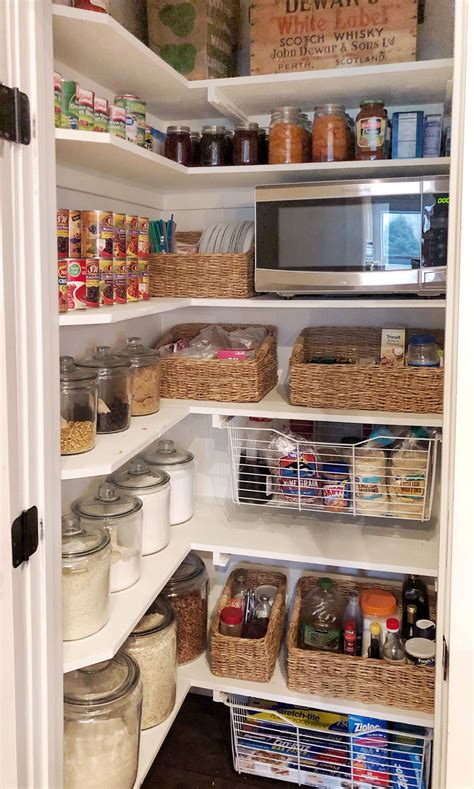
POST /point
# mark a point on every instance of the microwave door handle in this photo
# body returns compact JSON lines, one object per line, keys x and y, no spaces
{"x":433,"y":275}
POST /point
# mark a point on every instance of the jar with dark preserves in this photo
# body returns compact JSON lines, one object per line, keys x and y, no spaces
{"x":229,"y":146}
{"x":212,"y":151}
{"x":288,"y":137}
{"x":307,"y":126}
{"x":331,"y":134}
{"x":371,"y":130}
{"x":245,"y":147}
{"x":262,"y":146}
{"x":195,"y":145}
{"x":178,"y":145}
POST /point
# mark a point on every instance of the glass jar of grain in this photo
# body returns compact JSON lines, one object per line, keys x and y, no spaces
{"x":78,"y":404}
{"x":187,"y":591}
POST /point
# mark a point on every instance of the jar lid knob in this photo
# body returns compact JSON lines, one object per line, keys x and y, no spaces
{"x":66,"y":364}
{"x":134,"y":341}
{"x":70,"y":524}
{"x":107,"y":492}
{"x":102,"y":350}
{"x":137,"y":466}
{"x":166,"y":446}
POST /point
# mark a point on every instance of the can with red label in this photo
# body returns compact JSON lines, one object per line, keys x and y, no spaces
{"x":120,"y":237}
{"x":62,"y":285}
{"x":132,"y":289}
{"x":143,"y":280}
{"x":97,"y":234}
{"x":62,"y":232}
{"x":93,"y":282}
{"x":106,"y":283}
{"x":74,"y":234}
{"x":117,"y":117}
{"x":76,"y":283}
{"x":120,"y":271}
{"x":131,"y":223}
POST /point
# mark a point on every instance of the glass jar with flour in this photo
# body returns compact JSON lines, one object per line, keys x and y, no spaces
{"x":180,"y":465}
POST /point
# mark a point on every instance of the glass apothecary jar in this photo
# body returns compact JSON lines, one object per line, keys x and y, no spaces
{"x":178,"y":145}
{"x":187,"y":591}
{"x":288,"y":137}
{"x":153,"y":645}
{"x":121,"y":514}
{"x":213,"y":147}
{"x":102,"y":713}
{"x":180,"y":466}
{"x":423,"y":351}
{"x":115,"y":395}
{"x":245,"y":144}
{"x":78,"y":402}
{"x":331,"y":134}
{"x":152,"y":486}
{"x":145,"y":376}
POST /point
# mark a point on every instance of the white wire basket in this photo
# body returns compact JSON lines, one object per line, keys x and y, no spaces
{"x":332,"y":471}
{"x":327,"y":750}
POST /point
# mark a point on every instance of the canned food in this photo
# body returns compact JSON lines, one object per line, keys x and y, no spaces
{"x":143,"y":245}
{"x":143,"y":280}
{"x":69,"y":107}
{"x":120,"y":272}
{"x":62,"y":285}
{"x":101,"y":114}
{"x":421,"y":652}
{"x":131,"y":225}
{"x":143,"y":224}
{"x":97,"y":234}
{"x":62,"y":232}
{"x":93,"y":283}
{"x":76,"y":283}
{"x":85,"y":109}
{"x":148,"y":138}
{"x":57,"y":82}
{"x":132,"y":288}
{"x":117,"y":121}
{"x":75,"y":230}
{"x":106,"y":283}
{"x":120,"y":236}
{"x":135,"y":117}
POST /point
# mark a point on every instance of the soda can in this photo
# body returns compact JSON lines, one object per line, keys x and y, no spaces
{"x":85,"y":109}
{"x":101,"y":114}
{"x":131,"y":225}
{"x":135,"y":117}
{"x":76,"y":283}
{"x":106,"y":283}
{"x":117,"y":121}
{"x":132,"y":289}
{"x":143,"y":280}
{"x":93,"y":283}
{"x":120,"y":271}
{"x":62,"y":285}
{"x":97,"y":234}
{"x":120,"y":236}
{"x":74,"y":234}
{"x":57,"y":82}
{"x":62,"y":232}
{"x":69,"y":107}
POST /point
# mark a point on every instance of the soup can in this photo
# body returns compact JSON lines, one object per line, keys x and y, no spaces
{"x":75,"y":230}
{"x":135,"y":117}
{"x":132,"y":288}
{"x":120,"y":272}
{"x":93,"y":283}
{"x":131,"y":226}
{"x":117,"y":121}
{"x":120,"y":236}
{"x":106,"y":272}
{"x":143,"y":280}
{"x":97,"y":234}
{"x":85,"y":109}
{"x":101,"y":114}
{"x":69,"y":107}
{"x":76,"y":283}
{"x":62,"y":232}
{"x":62,"y":285}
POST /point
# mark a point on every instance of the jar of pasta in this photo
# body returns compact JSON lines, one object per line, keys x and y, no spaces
{"x":331,"y":134}
{"x":371,"y":130}
{"x":288,"y":137}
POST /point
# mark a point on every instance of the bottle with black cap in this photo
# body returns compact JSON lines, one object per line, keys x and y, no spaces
{"x":414,"y":592}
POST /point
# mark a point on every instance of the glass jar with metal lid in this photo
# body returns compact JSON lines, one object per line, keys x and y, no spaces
{"x":152,"y":486}
{"x":121,"y":514}
{"x":153,"y":645}
{"x":288,"y":138}
{"x":145,"y":376}
{"x":245,"y":144}
{"x":115,"y":396}
{"x":195,"y":146}
{"x":102,"y":712}
{"x":187,"y":591}
{"x":212,"y":151}
{"x":78,"y":403}
{"x":85,"y":578}
{"x":178,"y":145}
{"x":179,"y":464}
{"x":331,"y":134}
{"x":371,"y":130}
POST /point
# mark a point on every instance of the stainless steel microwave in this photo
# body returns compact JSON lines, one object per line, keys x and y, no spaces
{"x":380,"y":236}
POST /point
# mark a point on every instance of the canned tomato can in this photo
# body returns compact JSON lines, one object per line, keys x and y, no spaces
{"x":69,"y":106}
{"x":132,"y":289}
{"x":135,"y":117}
{"x":75,"y":248}
{"x":421,"y":652}
{"x":120,"y":271}
{"x":120,"y":236}
{"x":62,"y":285}
{"x":131,"y":225}
{"x":143,"y":245}
{"x":62,"y":233}
{"x":97,"y":234}
{"x":117,"y":121}
{"x":57,"y":82}
{"x":143,"y":280}
{"x":85,"y":109}
{"x":93,"y":283}
{"x":106,"y":283}
{"x":76,"y":283}
{"x":101,"y":114}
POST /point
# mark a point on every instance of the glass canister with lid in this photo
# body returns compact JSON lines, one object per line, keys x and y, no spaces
{"x":78,"y":399}
{"x":423,"y":351}
{"x":85,"y":578}
{"x":145,"y":376}
{"x":178,"y":146}
{"x":331,"y":134}
{"x":121,"y":514}
{"x":371,"y":130}
{"x":114,"y":407}
{"x":152,"y":486}
{"x":153,"y":645}
{"x":288,"y":136}
{"x":212,"y":150}
{"x":187,"y":591}
{"x":102,"y":713}
{"x":180,"y":465}
{"x":245,"y":144}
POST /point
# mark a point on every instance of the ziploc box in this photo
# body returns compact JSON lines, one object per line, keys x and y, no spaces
{"x":369,"y":750}
{"x":406,"y":756}
{"x":407,"y":135}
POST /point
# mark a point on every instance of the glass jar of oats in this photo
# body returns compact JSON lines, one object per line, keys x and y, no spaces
{"x":145,"y":376}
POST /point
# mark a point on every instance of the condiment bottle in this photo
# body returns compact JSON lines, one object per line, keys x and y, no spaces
{"x":375,"y":636}
{"x":371,"y":130}
{"x":239,"y":587}
{"x":377,"y":606}
{"x":414,"y":591}
{"x":409,"y":623}
{"x":231,"y":622}
{"x":353,"y":613}
{"x":393,"y":649}
{"x":349,"y":646}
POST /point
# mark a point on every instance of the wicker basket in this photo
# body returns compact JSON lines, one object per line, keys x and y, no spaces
{"x":354,"y":386}
{"x":342,"y":676}
{"x":253,"y":659}
{"x":244,"y":381}
{"x":202,"y":276}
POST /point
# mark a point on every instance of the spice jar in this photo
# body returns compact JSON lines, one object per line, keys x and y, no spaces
{"x":152,"y":487}
{"x":178,"y":145}
{"x":153,"y":645}
{"x":102,"y":711}
{"x":121,"y":515}
{"x":371,"y":130}
{"x":78,"y":402}
{"x":212,"y":150}
{"x":85,"y":578}
{"x":179,"y":464}
{"x":145,"y":376}
{"x":195,"y":146}
{"x":187,"y":591}
{"x":331,"y":134}
{"x":288,"y":138}
{"x":114,"y":407}
{"x":245,"y":145}
{"x":231,"y":622}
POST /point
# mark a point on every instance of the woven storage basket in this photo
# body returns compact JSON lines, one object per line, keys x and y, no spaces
{"x":202,"y":276}
{"x":249,"y":658}
{"x":354,"y":386}
{"x":244,"y":381}
{"x":343,"y":676}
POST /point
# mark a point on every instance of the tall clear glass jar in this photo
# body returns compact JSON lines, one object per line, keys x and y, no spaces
{"x":102,"y":713}
{"x":121,"y":515}
{"x":153,"y":645}
{"x":78,"y":403}
{"x":180,"y":465}
{"x":213,"y":147}
{"x":331,"y":134}
{"x":187,"y":591}
{"x":115,"y":395}
{"x":178,"y":146}
{"x":86,"y":556}
{"x":145,"y":376}
{"x":288,"y":137}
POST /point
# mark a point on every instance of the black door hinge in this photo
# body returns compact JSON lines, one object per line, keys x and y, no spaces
{"x":15,"y":124}
{"x":445,"y":659}
{"x":24,"y":536}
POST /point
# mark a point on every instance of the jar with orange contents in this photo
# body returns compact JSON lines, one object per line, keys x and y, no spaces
{"x":331,"y":134}
{"x":371,"y":130}
{"x":288,"y":137}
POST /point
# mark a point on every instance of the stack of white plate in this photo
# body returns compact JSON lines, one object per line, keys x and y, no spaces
{"x":227,"y":238}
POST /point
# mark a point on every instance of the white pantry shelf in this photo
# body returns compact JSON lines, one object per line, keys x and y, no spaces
{"x":121,"y":312}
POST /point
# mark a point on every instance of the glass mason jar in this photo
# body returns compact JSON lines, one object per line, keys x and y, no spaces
{"x":145,"y":376}
{"x":115,"y":396}
{"x":288,"y":137}
{"x":195,"y":146}
{"x":102,"y":713}
{"x":331,"y":134}
{"x":262,"y":146}
{"x":212,"y":151}
{"x":153,"y":645}
{"x":152,"y":487}
{"x":308,"y":127}
{"x":85,"y":578}
{"x":245,"y":144}
{"x":78,"y":402}
{"x":179,"y":464}
{"x":178,"y":145}
{"x":121,"y":515}
{"x":187,"y":591}
{"x":371,"y":130}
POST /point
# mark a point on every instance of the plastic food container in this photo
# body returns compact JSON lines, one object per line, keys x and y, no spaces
{"x":145,"y":376}
{"x":102,"y":711}
{"x":152,"y":487}
{"x":121,"y":515}
{"x":85,"y":578}
{"x":187,"y":591}
{"x":179,"y":464}
{"x":114,"y":408}
{"x":377,"y":606}
{"x":153,"y":645}
{"x":423,"y":351}
{"x":421,"y":652}
{"x":78,"y":398}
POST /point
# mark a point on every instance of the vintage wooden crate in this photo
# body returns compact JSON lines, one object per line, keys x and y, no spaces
{"x":299,"y":35}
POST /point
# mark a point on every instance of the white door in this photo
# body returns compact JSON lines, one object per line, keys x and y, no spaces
{"x":30,"y":667}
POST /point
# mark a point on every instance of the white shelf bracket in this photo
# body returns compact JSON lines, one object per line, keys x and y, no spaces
{"x":219,"y":696}
{"x":220,"y":421}
{"x":220,"y":559}
{"x":223,"y":105}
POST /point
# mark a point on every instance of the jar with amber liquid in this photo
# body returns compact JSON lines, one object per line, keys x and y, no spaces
{"x":371,"y":130}
{"x":288,"y":137}
{"x":331,"y":134}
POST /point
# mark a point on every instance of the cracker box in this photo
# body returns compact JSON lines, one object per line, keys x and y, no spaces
{"x":392,"y":348}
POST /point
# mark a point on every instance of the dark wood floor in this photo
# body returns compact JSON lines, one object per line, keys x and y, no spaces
{"x":197,"y":752}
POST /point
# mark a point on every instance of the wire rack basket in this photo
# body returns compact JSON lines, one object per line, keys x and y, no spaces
{"x":327,"y":750}
{"x":330,"y":471}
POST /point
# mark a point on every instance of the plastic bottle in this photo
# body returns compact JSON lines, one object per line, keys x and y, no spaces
{"x":321,"y":618}
{"x":375,"y":637}
{"x":354,"y":612}
{"x":349,"y":646}
{"x":393,"y":649}
{"x":239,"y":587}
